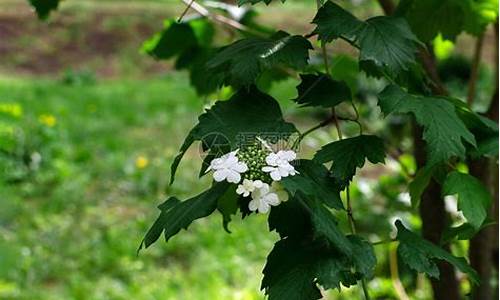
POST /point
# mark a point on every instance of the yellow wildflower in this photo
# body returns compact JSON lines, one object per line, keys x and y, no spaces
{"x":12,"y":109}
{"x":141,"y":162}
{"x":47,"y":120}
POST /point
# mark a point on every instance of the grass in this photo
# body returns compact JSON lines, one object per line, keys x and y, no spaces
{"x":70,"y":226}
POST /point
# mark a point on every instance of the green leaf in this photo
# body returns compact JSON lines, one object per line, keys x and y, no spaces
{"x":429,"y":18}
{"x":300,"y":214}
{"x":290,"y":219}
{"x":243,"y":61}
{"x":351,"y":153}
{"x":227,"y":205}
{"x":249,"y":112}
{"x":325,"y":226}
{"x":321,"y":90}
{"x":173,"y":40}
{"x":386,"y":42}
{"x":176,"y":215}
{"x":158,"y":226}
{"x":363,"y":256}
{"x":334,"y":22}
{"x":485,"y":131}
{"x":290,"y":272}
{"x":420,"y":255}
{"x":419,"y":184}
{"x":473,"y":198}
{"x":44,"y":7}
{"x":294,"y":267}
{"x":444,"y":132}
{"x":314,"y":180}
{"x":463,"y":232}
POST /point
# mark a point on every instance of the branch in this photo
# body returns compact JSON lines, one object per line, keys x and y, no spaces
{"x":426,"y":58}
{"x":303,"y":135}
{"x":475,"y":69}
{"x":396,"y":282}
{"x":218,"y":18}
{"x":387,"y":6}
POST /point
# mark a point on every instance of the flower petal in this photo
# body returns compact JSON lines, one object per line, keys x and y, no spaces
{"x":240,"y":167}
{"x":263,"y":207}
{"x":220,"y":175}
{"x":253,"y":205}
{"x":233,"y":176}
{"x":272,"y":199}
{"x":275,"y":175}
{"x":268,"y":169}
{"x":240,"y":189}
{"x":258,"y":184}
{"x":272,"y":159}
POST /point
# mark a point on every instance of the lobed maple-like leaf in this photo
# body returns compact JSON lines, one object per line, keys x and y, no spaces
{"x":384,"y":41}
{"x":243,"y":61}
{"x":444,"y":132}
{"x":420,"y":255}
{"x":248,"y":113}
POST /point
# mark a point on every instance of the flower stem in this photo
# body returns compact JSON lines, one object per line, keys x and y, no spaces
{"x":339,"y":133}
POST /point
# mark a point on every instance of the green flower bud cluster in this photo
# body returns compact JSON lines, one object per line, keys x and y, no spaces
{"x":255,"y":158}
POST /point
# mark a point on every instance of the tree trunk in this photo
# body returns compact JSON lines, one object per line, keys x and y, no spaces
{"x":483,"y":250}
{"x":434,"y":221}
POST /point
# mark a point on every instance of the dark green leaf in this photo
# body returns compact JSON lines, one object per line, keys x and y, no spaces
{"x":485,"y":131}
{"x":321,"y":90}
{"x":326,"y":226}
{"x":44,"y":7}
{"x":351,"y":153}
{"x":463,"y":232}
{"x":248,"y":112}
{"x":419,"y":184}
{"x":428,"y":18}
{"x":334,"y":22}
{"x":176,"y":215}
{"x":158,"y":226}
{"x":290,"y":219}
{"x":227,"y":205}
{"x":363,"y":256}
{"x":173,"y":40}
{"x":419,"y":254}
{"x":444,"y":132}
{"x":314,"y":180}
{"x":243,"y":61}
{"x":473,"y":198}
{"x":386,"y":42}
{"x":293,"y":267}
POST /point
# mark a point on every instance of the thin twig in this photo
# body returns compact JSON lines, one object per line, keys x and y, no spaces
{"x":219,"y":18}
{"x":396,"y":282}
{"x":339,"y":133}
{"x":185,"y":11}
{"x":382,"y":242}
{"x":303,"y":135}
{"x":471,"y":93}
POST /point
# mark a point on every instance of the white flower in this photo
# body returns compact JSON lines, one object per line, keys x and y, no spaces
{"x":263,"y":199}
{"x":248,"y":186}
{"x":227,"y":167}
{"x":278,"y":164}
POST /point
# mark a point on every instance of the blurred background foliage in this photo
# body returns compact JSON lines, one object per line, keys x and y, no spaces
{"x":89,"y":125}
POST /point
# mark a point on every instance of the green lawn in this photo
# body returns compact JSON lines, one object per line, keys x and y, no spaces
{"x":91,"y":162}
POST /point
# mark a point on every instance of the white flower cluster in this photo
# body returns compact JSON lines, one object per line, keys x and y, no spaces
{"x":264,"y":195}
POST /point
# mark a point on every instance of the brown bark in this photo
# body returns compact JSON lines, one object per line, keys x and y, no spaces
{"x":432,"y":209}
{"x":483,"y":251}
{"x":434,"y":221}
